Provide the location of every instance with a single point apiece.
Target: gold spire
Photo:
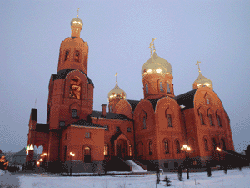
(77, 12)
(152, 46)
(198, 62)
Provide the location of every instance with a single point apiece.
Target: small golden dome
(202, 81)
(156, 64)
(117, 92)
(76, 22)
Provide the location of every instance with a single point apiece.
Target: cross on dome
(152, 46)
(198, 62)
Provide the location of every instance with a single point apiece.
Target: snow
(233, 178)
(135, 167)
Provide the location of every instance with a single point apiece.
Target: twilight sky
(118, 35)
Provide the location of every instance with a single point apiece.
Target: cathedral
(153, 132)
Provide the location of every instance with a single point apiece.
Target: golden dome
(202, 81)
(117, 92)
(76, 22)
(156, 64)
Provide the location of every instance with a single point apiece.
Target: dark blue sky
(118, 35)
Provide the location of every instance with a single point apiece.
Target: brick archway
(121, 148)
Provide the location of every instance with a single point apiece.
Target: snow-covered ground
(234, 178)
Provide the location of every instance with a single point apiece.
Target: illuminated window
(166, 150)
(87, 155)
(146, 86)
(130, 150)
(161, 88)
(150, 149)
(168, 88)
(105, 149)
(178, 148)
(74, 113)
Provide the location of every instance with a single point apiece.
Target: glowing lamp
(184, 147)
(31, 147)
(158, 70)
(218, 149)
(149, 70)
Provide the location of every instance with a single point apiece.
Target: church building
(150, 131)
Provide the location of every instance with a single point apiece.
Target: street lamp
(71, 155)
(186, 148)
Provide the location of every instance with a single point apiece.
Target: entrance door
(121, 148)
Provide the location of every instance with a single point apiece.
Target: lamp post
(71, 155)
(186, 148)
(225, 162)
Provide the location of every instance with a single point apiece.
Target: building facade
(150, 131)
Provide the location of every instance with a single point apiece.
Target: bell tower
(73, 50)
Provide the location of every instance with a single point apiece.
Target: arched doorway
(122, 148)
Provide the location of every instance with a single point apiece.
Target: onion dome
(201, 80)
(76, 26)
(117, 93)
(156, 64)
(76, 22)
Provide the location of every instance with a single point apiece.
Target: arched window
(66, 55)
(205, 144)
(161, 88)
(223, 144)
(105, 149)
(110, 108)
(166, 148)
(77, 56)
(87, 154)
(146, 87)
(144, 121)
(208, 102)
(178, 147)
(201, 118)
(218, 120)
(168, 88)
(169, 117)
(209, 115)
(150, 149)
